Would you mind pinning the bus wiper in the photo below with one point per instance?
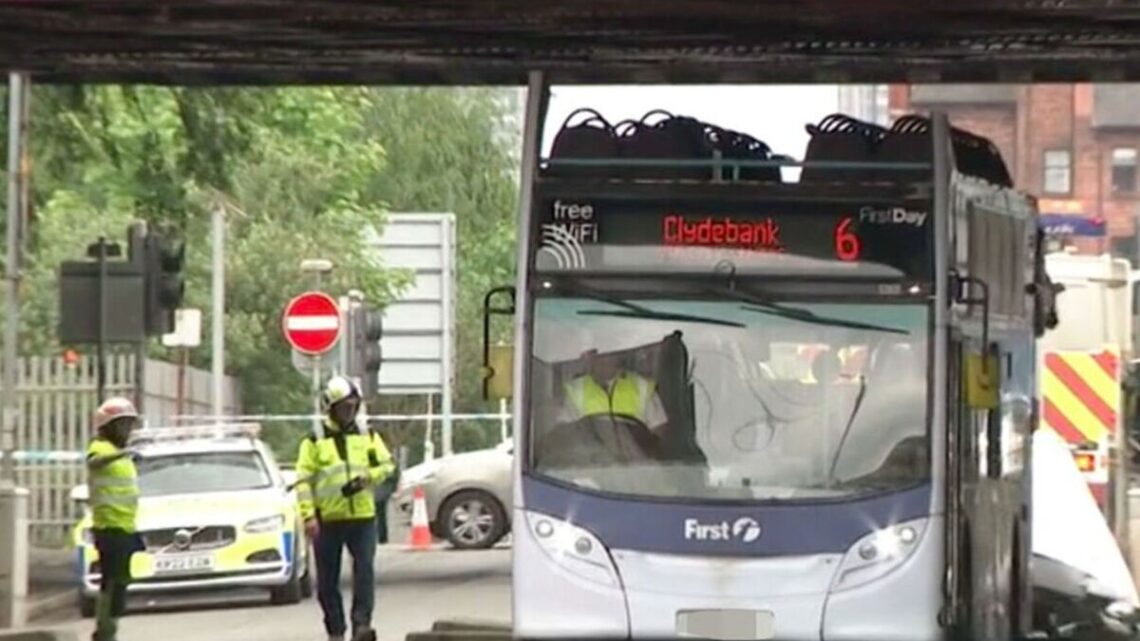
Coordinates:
(760, 305)
(641, 312)
(808, 316)
(847, 428)
(633, 310)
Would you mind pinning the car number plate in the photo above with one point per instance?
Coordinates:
(183, 564)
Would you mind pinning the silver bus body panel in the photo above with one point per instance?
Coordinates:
(900, 606)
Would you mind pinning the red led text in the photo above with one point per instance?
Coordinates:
(723, 232)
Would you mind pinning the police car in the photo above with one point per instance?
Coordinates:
(215, 512)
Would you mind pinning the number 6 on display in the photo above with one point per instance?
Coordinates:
(846, 242)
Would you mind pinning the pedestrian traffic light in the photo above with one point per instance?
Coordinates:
(367, 329)
(164, 283)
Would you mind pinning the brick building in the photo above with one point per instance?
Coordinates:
(1075, 147)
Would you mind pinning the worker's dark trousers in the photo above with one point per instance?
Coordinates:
(382, 521)
(359, 536)
(382, 497)
(115, 548)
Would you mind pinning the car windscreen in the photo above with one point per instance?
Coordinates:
(197, 472)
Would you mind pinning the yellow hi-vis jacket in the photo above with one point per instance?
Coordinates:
(325, 465)
(113, 490)
(630, 396)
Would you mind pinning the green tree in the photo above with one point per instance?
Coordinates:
(453, 150)
(303, 172)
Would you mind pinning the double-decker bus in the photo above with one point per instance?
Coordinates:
(769, 410)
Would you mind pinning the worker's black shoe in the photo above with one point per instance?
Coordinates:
(367, 634)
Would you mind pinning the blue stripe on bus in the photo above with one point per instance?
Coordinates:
(659, 525)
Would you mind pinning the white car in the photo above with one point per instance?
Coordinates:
(468, 495)
(215, 512)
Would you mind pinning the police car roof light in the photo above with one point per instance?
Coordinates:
(197, 432)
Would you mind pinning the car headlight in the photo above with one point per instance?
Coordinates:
(876, 554)
(573, 548)
(265, 524)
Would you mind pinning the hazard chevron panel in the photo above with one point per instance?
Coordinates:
(1080, 394)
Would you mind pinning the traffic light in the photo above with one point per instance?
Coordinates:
(367, 329)
(164, 283)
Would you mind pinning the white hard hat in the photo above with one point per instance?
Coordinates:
(113, 408)
(338, 389)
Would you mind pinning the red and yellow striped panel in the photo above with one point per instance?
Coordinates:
(1081, 394)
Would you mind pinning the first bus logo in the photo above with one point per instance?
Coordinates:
(745, 529)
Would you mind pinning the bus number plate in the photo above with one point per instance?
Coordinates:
(730, 625)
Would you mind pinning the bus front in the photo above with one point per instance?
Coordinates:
(726, 414)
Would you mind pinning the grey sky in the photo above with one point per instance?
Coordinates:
(774, 114)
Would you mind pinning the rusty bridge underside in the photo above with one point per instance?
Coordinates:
(467, 42)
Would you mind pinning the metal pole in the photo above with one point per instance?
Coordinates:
(1119, 466)
(448, 326)
(140, 377)
(343, 348)
(218, 290)
(942, 161)
(429, 444)
(537, 99)
(183, 362)
(318, 428)
(101, 325)
(17, 210)
(944, 458)
(139, 231)
(13, 500)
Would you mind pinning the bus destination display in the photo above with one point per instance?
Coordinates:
(589, 233)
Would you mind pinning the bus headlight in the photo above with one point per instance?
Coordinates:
(876, 554)
(267, 524)
(573, 548)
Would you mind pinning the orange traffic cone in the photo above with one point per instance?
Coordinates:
(421, 533)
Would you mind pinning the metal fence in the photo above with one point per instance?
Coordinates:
(56, 401)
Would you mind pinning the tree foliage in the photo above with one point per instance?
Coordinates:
(456, 157)
(301, 173)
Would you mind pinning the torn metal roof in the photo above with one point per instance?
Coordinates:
(470, 42)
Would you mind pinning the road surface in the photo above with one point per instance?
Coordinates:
(413, 590)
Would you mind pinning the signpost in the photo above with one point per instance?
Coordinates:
(419, 326)
(187, 333)
(312, 325)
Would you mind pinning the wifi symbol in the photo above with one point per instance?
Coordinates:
(563, 247)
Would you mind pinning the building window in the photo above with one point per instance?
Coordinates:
(1124, 170)
(1058, 171)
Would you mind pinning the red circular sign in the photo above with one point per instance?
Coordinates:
(311, 323)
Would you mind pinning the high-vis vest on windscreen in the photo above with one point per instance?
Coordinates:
(325, 465)
(630, 396)
(113, 490)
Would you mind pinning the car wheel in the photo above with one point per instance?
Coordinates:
(86, 606)
(472, 520)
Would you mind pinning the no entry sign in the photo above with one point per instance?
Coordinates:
(312, 323)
